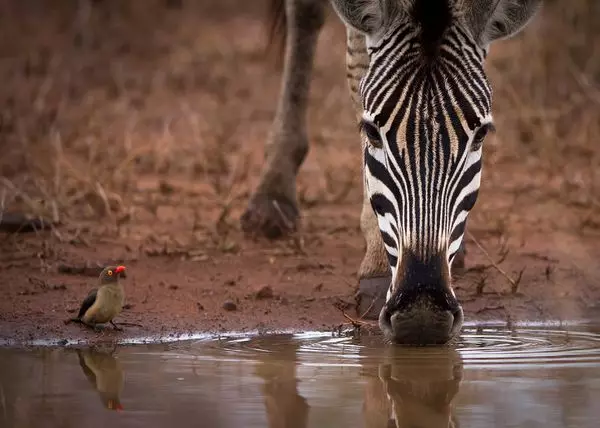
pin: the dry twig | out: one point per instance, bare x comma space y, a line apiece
513, 282
356, 323
370, 307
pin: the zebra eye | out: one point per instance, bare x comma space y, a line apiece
372, 134
480, 136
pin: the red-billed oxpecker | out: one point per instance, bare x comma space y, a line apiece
104, 303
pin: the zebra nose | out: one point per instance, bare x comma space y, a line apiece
420, 325
422, 310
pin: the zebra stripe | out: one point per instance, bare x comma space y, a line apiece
424, 178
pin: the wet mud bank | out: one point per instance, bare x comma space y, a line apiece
174, 299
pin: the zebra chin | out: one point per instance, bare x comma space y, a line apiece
422, 309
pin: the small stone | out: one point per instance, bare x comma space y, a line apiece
173, 287
165, 187
199, 305
230, 282
265, 292
319, 287
127, 306
228, 305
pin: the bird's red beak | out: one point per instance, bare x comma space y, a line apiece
114, 405
120, 269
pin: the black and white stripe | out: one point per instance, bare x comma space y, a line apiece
431, 113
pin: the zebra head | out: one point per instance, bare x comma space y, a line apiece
426, 111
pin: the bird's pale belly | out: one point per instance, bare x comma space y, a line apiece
108, 305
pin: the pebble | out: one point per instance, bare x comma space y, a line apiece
228, 305
265, 292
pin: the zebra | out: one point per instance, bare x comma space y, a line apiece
412, 391
415, 70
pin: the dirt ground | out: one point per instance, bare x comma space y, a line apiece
140, 130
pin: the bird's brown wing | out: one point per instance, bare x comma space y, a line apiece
88, 302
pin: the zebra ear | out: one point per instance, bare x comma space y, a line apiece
491, 20
367, 16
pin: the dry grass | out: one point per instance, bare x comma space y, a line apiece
114, 113
91, 116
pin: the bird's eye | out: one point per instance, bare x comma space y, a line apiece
372, 134
480, 136
109, 273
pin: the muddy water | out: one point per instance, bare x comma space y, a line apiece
529, 377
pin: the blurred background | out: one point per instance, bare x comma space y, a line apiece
104, 101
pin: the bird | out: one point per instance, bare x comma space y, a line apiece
105, 374
104, 303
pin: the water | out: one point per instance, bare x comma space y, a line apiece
495, 377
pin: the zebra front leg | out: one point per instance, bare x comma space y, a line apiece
273, 210
374, 275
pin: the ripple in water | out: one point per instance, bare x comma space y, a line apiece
489, 347
529, 347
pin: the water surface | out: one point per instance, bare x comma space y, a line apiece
495, 377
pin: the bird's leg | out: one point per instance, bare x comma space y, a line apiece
94, 327
130, 324
116, 327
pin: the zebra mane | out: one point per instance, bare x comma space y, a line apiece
433, 17
376, 16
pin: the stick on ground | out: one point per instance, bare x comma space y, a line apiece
514, 283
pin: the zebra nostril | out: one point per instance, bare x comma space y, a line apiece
457, 322
386, 316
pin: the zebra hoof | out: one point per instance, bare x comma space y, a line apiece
370, 296
269, 217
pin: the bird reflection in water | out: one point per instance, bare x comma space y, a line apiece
413, 388
105, 374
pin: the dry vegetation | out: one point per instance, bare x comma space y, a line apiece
99, 96
142, 124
